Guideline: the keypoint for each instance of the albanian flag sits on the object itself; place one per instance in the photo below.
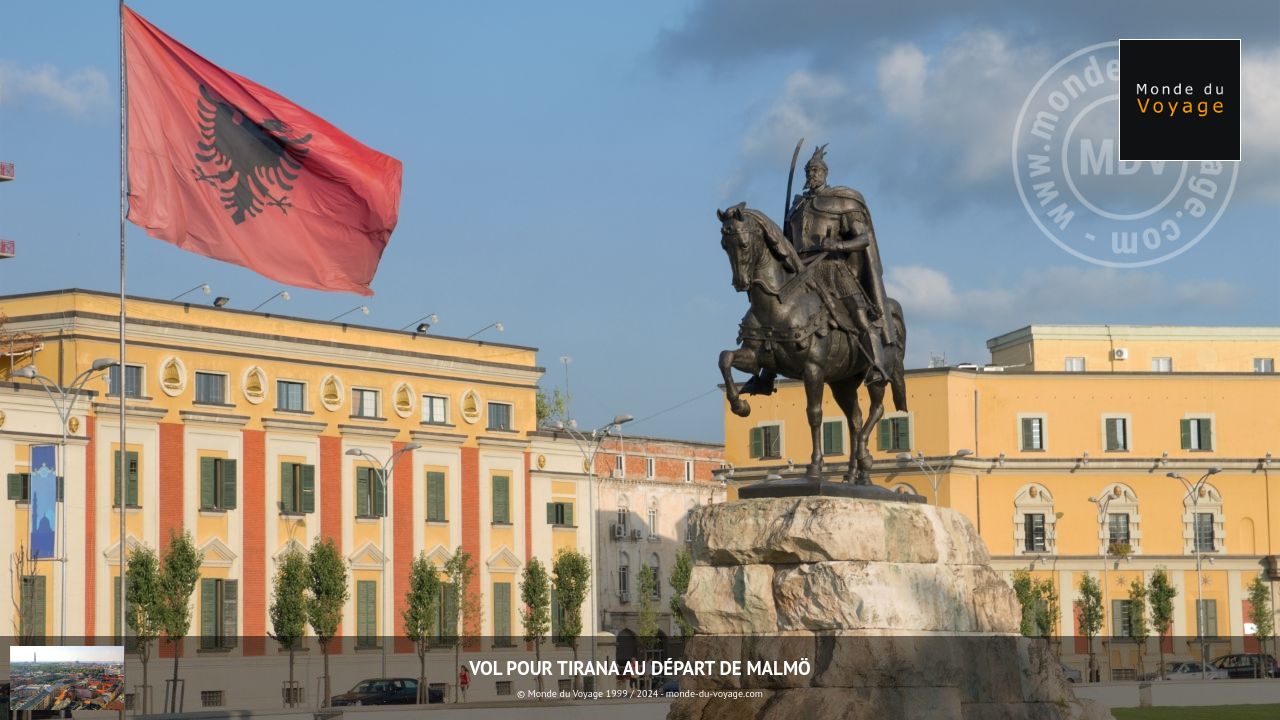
(223, 167)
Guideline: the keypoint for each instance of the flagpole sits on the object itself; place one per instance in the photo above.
(121, 374)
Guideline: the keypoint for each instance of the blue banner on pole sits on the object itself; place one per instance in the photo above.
(44, 501)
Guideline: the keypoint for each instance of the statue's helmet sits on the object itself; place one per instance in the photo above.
(817, 160)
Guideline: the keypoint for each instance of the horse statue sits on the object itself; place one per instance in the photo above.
(793, 330)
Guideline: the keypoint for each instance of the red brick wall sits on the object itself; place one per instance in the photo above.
(331, 504)
(471, 519)
(90, 541)
(253, 507)
(171, 481)
(402, 542)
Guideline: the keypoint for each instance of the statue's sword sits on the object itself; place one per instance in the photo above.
(786, 208)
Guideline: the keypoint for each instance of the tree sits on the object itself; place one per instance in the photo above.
(1039, 601)
(1139, 630)
(571, 572)
(180, 571)
(328, 594)
(647, 612)
(420, 614)
(1161, 594)
(681, 571)
(462, 606)
(288, 609)
(1090, 607)
(145, 609)
(553, 406)
(535, 593)
(22, 566)
(1260, 613)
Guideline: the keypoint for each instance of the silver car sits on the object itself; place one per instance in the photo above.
(1189, 670)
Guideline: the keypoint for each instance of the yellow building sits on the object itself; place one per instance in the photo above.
(261, 433)
(1061, 462)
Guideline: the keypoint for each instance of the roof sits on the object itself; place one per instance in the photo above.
(1185, 333)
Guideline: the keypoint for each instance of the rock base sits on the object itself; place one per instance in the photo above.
(894, 607)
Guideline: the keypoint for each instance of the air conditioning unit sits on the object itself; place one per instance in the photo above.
(636, 534)
(1271, 567)
(624, 596)
(619, 531)
(619, 474)
(1120, 354)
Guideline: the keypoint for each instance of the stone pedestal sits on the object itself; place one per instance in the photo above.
(895, 607)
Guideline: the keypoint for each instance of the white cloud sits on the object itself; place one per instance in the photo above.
(76, 93)
(1259, 120)
(901, 75)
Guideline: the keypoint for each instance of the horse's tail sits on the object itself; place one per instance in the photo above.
(897, 379)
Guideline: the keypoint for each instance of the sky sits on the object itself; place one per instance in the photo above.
(563, 162)
(76, 653)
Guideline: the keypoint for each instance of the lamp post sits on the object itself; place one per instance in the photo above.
(495, 325)
(934, 474)
(1102, 504)
(64, 401)
(382, 470)
(1193, 491)
(283, 295)
(589, 459)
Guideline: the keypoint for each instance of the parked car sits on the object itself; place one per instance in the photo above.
(386, 691)
(1246, 665)
(1187, 670)
(1072, 674)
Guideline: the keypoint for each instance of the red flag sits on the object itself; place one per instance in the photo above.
(223, 167)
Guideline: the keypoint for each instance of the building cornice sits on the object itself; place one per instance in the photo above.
(306, 427)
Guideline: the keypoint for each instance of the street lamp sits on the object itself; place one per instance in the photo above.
(283, 295)
(424, 323)
(495, 325)
(589, 458)
(382, 469)
(934, 474)
(202, 286)
(1193, 491)
(361, 308)
(1102, 504)
(64, 401)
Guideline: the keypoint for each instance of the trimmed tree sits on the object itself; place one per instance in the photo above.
(178, 577)
(1090, 606)
(571, 573)
(535, 593)
(145, 609)
(647, 612)
(1161, 594)
(288, 609)
(1260, 613)
(328, 584)
(681, 571)
(1038, 600)
(421, 606)
(462, 603)
(1139, 630)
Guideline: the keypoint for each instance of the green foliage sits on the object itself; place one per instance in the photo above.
(420, 603)
(181, 571)
(535, 593)
(1090, 607)
(647, 612)
(680, 574)
(1260, 612)
(1039, 602)
(146, 607)
(571, 573)
(288, 610)
(553, 406)
(460, 569)
(328, 594)
(1139, 628)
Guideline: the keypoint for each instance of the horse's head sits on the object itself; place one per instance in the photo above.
(739, 236)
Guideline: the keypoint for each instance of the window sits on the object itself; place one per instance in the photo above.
(624, 581)
(501, 499)
(366, 613)
(131, 485)
(364, 403)
(218, 613)
(1205, 541)
(435, 409)
(623, 514)
(1033, 535)
(1117, 433)
(619, 465)
(211, 388)
(895, 434)
(688, 471)
(499, 416)
(297, 488)
(557, 619)
(1120, 618)
(1118, 529)
(1074, 364)
(1032, 434)
(211, 698)
(833, 437)
(217, 484)
(502, 687)
(649, 468)
(766, 441)
(502, 614)
(657, 578)
(560, 513)
(371, 493)
(435, 497)
(1264, 365)
(132, 380)
(1162, 364)
(1207, 618)
(653, 523)
(20, 487)
(291, 396)
(447, 615)
(1196, 433)
(32, 609)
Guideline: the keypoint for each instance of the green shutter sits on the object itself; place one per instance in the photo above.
(308, 488)
(229, 484)
(208, 614)
(1028, 434)
(901, 433)
(15, 486)
(378, 488)
(131, 486)
(551, 513)
(31, 610)
(832, 438)
(62, 486)
(366, 612)
(208, 483)
(883, 439)
(115, 609)
(286, 488)
(435, 496)
(1113, 435)
(230, 593)
(450, 610)
(115, 479)
(1184, 427)
(502, 613)
(568, 513)
(362, 492)
(757, 442)
(501, 498)
(1206, 433)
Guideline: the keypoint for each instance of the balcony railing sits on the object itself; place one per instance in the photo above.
(7, 248)
(6, 171)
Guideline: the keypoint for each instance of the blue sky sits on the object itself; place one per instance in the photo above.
(77, 653)
(563, 162)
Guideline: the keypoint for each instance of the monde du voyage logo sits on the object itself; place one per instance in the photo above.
(1125, 172)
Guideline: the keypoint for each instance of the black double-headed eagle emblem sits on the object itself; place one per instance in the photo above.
(245, 159)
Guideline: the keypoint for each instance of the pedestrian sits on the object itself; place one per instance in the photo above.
(464, 679)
